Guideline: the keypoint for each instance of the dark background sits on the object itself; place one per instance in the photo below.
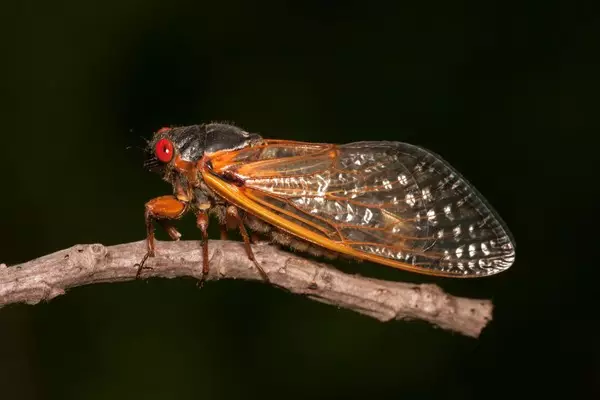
(505, 91)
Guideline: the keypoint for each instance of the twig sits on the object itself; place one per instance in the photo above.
(49, 276)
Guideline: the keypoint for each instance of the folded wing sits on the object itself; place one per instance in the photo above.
(387, 201)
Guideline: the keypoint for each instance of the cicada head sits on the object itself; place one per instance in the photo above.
(173, 146)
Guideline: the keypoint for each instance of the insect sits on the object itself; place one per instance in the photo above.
(390, 203)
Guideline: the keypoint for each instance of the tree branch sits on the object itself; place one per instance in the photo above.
(49, 276)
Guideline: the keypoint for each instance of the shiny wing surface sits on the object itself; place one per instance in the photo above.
(388, 202)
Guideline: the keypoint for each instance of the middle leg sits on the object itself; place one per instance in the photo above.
(233, 212)
(202, 224)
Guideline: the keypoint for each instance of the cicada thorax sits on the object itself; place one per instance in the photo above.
(182, 151)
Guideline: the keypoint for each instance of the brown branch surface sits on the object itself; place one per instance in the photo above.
(49, 276)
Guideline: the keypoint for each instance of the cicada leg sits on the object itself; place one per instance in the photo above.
(233, 212)
(160, 209)
(202, 224)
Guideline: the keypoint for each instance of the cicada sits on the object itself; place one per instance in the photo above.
(386, 202)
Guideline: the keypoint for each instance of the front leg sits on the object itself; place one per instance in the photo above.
(161, 209)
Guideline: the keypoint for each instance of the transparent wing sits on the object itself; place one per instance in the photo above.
(389, 201)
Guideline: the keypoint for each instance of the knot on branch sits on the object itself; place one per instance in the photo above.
(432, 300)
(86, 256)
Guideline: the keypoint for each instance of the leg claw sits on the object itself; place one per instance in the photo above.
(141, 265)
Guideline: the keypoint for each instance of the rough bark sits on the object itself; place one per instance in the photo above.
(52, 275)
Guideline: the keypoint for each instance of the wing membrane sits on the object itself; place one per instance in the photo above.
(387, 202)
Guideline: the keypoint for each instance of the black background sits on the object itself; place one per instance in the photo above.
(505, 91)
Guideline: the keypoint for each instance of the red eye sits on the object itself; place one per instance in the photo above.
(164, 150)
